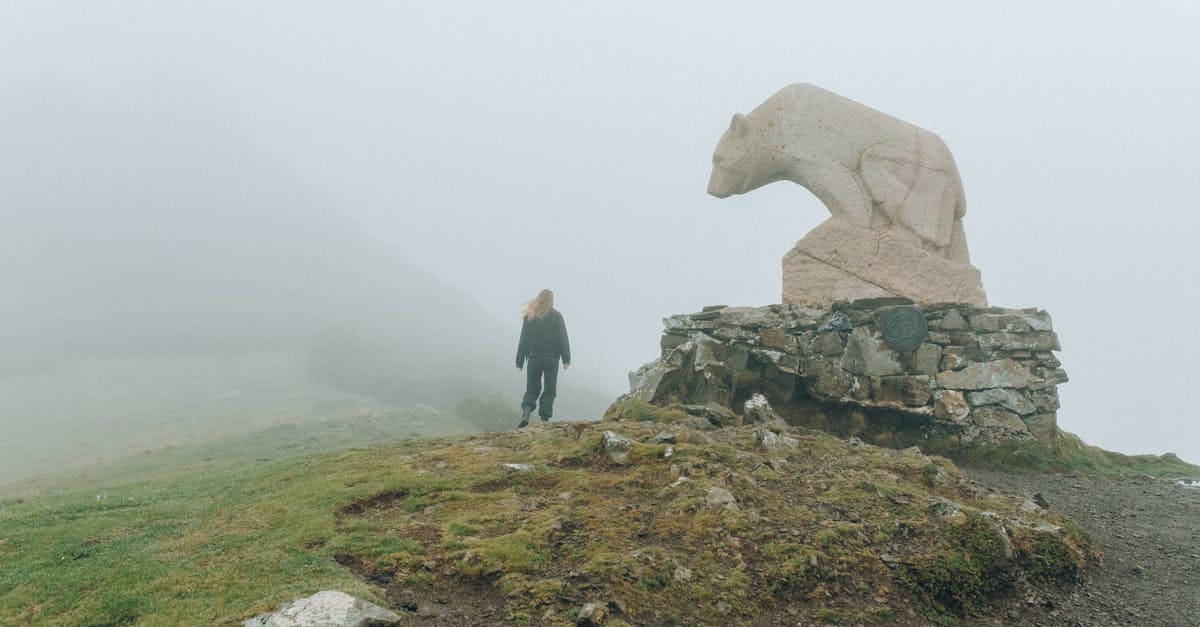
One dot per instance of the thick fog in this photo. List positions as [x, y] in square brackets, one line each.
[375, 189]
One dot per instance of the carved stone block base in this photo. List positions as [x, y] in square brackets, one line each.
[840, 260]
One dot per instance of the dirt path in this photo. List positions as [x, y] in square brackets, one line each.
[1149, 532]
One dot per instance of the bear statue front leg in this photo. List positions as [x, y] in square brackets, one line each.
[842, 193]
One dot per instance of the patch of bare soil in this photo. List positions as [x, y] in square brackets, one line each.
[446, 602]
[374, 503]
[450, 603]
[1149, 533]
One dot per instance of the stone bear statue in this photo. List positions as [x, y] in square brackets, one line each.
[892, 188]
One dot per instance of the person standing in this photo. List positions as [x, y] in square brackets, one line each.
[543, 342]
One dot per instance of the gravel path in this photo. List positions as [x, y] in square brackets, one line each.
[1149, 533]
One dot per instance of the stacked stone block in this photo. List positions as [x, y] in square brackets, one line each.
[982, 374]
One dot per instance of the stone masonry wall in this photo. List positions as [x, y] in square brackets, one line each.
[981, 375]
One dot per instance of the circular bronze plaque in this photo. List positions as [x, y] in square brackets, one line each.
[904, 328]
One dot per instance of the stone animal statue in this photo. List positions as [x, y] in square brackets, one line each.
[883, 180]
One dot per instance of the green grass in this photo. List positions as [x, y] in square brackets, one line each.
[283, 441]
[207, 548]
[216, 534]
[1071, 455]
[641, 411]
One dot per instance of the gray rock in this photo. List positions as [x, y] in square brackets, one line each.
[720, 497]
[997, 524]
[1034, 341]
[1047, 359]
[1030, 506]
[880, 301]
[1048, 377]
[946, 509]
[772, 442]
[940, 338]
[994, 417]
[592, 614]
[828, 344]
[663, 437]
[954, 358]
[1003, 323]
[827, 380]
[737, 358]
[718, 415]
[963, 339]
[1039, 320]
[1007, 398]
[767, 356]
[758, 410]
[678, 482]
[687, 323]
[616, 447]
[952, 321]
[671, 340]
[735, 334]
[775, 338]
[708, 351]
[752, 317]
[950, 405]
[644, 382]
[839, 321]
[1046, 400]
[1044, 427]
[679, 356]
[697, 423]
[869, 355]
[985, 323]
[927, 359]
[908, 390]
[329, 608]
[983, 357]
[518, 467]
[1005, 373]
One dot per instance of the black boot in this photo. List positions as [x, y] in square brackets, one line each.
[525, 411]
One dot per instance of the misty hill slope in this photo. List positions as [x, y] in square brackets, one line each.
[150, 254]
[725, 525]
[86, 413]
[133, 230]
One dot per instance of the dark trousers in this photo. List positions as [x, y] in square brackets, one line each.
[541, 367]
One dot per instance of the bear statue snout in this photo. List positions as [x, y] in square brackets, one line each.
[718, 184]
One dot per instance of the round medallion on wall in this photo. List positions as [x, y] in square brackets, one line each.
[904, 328]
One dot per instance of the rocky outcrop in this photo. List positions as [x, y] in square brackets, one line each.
[979, 375]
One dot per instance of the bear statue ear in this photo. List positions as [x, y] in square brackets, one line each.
[738, 125]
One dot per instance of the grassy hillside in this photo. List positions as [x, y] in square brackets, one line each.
[1069, 455]
[818, 529]
[90, 412]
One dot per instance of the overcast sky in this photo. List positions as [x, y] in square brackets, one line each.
[505, 147]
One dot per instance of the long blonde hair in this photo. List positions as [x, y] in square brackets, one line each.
[539, 306]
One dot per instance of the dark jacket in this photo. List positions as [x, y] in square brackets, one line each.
[545, 336]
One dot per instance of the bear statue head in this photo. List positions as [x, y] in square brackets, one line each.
[742, 161]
